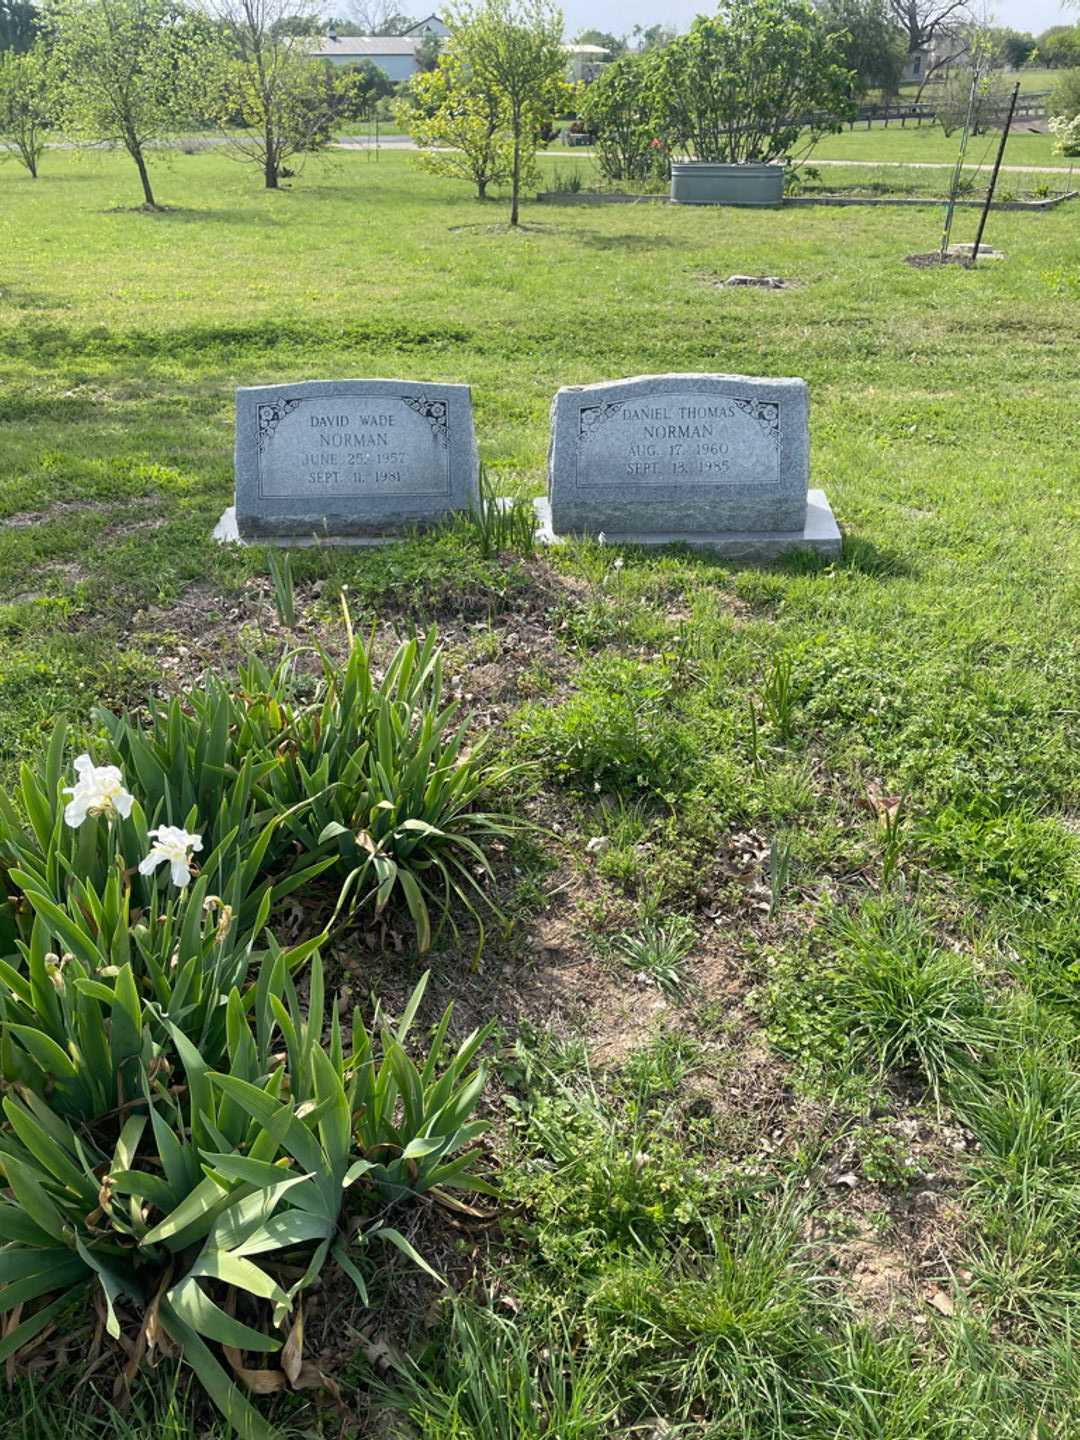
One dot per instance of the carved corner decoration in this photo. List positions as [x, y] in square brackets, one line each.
[270, 416]
[435, 413]
[766, 414]
[594, 417]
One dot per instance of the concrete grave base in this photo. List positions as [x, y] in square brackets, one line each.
[821, 534]
[225, 532]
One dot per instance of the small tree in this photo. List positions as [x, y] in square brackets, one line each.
[462, 128]
[748, 84]
[1018, 46]
[991, 100]
[25, 105]
[513, 49]
[1059, 47]
[126, 71]
[873, 46]
[429, 50]
[619, 109]
[269, 97]
[357, 89]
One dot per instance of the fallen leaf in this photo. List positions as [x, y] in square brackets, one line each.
[292, 1352]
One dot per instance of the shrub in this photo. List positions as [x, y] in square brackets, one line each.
[619, 110]
[1065, 96]
[737, 87]
[1067, 131]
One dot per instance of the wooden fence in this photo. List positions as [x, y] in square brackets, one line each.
[1031, 106]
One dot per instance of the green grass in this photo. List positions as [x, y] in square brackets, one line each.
[765, 1026]
[928, 144]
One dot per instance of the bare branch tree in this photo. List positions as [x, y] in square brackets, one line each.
[933, 25]
[378, 17]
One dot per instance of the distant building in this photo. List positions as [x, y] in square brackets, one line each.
[932, 60]
[585, 62]
[433, 25]
[395, 55]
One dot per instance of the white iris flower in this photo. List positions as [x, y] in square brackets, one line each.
[98, 790]
[175, 846]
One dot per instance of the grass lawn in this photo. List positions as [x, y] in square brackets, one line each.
[1030, 80]
[786, 1116]
[930, 144]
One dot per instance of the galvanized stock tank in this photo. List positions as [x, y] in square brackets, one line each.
[701, 182]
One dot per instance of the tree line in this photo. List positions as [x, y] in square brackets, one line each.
[133, 73]
[736, 87]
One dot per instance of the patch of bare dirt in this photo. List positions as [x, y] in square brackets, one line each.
[894, 1217]
[933, 258]
[22, 518]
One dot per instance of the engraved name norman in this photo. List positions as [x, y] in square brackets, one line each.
[353, 444]
[679, 437]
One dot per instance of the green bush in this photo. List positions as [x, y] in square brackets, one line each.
[619, 110]
[734, 87]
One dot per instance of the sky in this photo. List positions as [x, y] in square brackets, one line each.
[618, 17]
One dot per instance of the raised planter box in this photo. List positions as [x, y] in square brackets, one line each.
[700, 182]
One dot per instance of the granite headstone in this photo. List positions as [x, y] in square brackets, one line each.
[719, 461]
[351, 461]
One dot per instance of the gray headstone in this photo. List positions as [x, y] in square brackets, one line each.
[352, 458]
[683, 457]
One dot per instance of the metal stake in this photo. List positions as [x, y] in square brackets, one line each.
[993, 178]
[954, 188]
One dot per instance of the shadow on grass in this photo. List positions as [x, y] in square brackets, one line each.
[21, 299]
[52, 343]
[189, 215]
[628, 243]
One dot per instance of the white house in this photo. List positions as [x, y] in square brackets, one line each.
[585, 62]
[932, 60]
[395, 55]
[432, 25]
